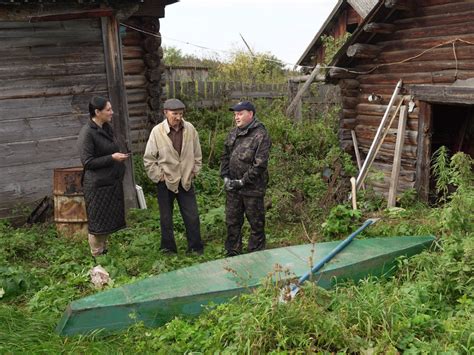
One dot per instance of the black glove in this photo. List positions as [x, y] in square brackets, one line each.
[236, 184]
[227, 184]
[231, 185]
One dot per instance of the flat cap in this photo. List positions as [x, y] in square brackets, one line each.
[173, 104]
[243, 105]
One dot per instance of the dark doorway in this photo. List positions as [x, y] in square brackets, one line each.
[453, 127]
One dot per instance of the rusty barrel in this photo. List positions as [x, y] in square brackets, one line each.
[69, 204]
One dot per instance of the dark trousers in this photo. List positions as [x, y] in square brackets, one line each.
[189, 211]
[253, 207]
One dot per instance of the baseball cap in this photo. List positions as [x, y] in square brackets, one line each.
[243, 105]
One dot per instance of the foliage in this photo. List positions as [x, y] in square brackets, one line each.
[341, 220]
[332, 45]
[440, 167]
[174, 56]
[243, 67]
[426, 307]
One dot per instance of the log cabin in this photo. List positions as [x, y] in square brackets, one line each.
[344, 18]
[429, 45]
[56, 55]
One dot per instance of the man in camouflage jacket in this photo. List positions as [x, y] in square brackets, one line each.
[244, 169]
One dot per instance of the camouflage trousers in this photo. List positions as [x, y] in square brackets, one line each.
[254, 210]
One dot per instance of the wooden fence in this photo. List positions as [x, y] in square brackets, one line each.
[210, 94]
[215, 94]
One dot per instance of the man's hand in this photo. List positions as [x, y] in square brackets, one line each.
[236, 184]
[227, 186]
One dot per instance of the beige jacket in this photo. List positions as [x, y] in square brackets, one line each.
[163, 163]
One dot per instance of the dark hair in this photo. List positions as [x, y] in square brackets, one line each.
[97, 103]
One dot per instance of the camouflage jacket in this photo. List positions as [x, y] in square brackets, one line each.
[245, 157]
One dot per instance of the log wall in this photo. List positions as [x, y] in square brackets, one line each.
[430, 23]
[48, 72]
[144, 78]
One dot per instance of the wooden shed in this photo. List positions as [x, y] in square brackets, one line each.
[429, 45]
[56, 55]
[344, 18]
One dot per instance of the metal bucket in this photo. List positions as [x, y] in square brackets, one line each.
[69, 204]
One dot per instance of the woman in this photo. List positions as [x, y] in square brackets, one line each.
[104, 170]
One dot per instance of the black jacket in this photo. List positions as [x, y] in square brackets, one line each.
[96, 146]
[245, 157]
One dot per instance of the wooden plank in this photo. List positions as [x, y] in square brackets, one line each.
[313, 76]
[62, 39]
[72, 15]
[392, 192]
[442, 93]
[378, 137]
[40, 70]
[43, 87]
[43, 107]
[411, 137]
[50, 127]
[372, 122]
[44, 150]
[386, 151]
[423, 159]
[356, 149]
[378, 110]
[118, 98]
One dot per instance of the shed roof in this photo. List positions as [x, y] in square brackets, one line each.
[85, 2]
[380, 13]
[362, 7]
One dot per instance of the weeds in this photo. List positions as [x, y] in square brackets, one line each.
[426, 307]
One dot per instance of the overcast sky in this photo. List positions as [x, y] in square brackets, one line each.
[282, 27]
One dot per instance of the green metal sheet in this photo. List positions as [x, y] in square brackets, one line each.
[158, 299]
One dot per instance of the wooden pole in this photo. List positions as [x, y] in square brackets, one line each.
[354, 193]
[378, 135]
[357, 153]
[392, 192]
[293, 105]
[118, 99]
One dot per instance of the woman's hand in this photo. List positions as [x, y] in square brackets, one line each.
[120, 156]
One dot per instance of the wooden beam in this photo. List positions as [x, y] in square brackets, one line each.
[362, 50]
[73, 15]
[397, 160]
[443, 93]
[353, 193]
[118, 98]
[380, 28]
[314, 74]
[340, 73]
[402, 5]
[378, 139]
[423, 159]
[357, 153]
[299, 79]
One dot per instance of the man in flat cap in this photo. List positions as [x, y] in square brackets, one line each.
[172, 159]
[244, 169]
